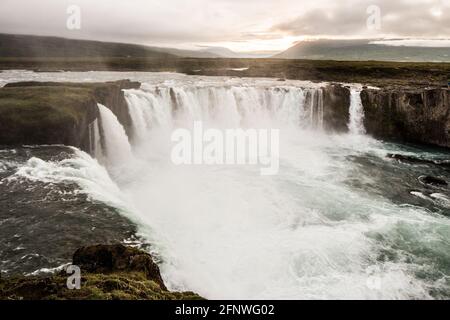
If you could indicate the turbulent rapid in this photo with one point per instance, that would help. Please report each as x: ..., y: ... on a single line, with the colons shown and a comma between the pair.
x: 340, y: 220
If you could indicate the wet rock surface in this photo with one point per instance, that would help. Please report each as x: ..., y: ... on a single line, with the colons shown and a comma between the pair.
x: 417, y: 115
x: 117, y: 258
x: 336, y: 100
x: 445, y: 163
x: 433, y: 181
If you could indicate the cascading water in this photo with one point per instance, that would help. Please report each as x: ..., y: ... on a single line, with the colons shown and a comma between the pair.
x: 356, y: 110
x: 226, y: 232
x: 95, y: 145
x: 117, y: 146
x: 224, y: 106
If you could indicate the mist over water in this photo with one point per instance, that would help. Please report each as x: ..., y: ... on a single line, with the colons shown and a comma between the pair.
x: 338, y: 221
x: 227, y: 232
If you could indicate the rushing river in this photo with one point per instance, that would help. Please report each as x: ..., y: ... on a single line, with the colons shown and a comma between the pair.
x: 339, y: 220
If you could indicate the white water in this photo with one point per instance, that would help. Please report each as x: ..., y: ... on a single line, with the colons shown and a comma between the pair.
x: 356, y: 124
x: 118, y: 148
x: 93, y: 178
x: 225, y: 107
x: 226, y: 232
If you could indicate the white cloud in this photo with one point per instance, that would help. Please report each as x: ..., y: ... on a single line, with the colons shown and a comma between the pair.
x: 239, y: 24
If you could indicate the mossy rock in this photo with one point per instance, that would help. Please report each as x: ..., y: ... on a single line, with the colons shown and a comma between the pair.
x: 44, y: 115
x: 34, y: 113
x: 113, y: 286
x: 109, y: 272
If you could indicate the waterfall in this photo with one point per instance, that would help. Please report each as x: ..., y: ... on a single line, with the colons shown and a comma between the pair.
x: 178, y: 207
x: 320, y: 108
x: 117, y: 146
x: 147, y: 110
x: 356, y: 124
x: 225, y: 106
x: 315, y: 108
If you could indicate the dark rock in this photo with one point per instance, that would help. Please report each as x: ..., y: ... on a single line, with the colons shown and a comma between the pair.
x: 429, y: 180
x: 58, y: 113
x: 107, y: 273
x: 408, y: 115
x: 336, y: 102
x: 46, y: 115
x: 415, y: 160
x: 117, y: 258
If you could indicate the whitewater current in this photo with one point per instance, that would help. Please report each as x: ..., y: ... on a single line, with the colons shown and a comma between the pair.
x: 339, y: 220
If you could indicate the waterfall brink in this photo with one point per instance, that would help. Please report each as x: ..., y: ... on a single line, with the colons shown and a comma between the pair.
x: 356, y: 124
x: 319, y: 123
x: 227, y: 106
x: 315, y: 108
x: 116, y: 144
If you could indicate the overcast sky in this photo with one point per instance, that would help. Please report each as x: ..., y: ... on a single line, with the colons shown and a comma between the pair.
x: 241, y: 25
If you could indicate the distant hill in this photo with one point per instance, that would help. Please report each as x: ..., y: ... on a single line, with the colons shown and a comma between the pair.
x: 227, y: 53
x: 25, y: 46
x: 363, y: 50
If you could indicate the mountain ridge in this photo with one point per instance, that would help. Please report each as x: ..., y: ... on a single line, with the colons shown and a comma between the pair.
x: 27, y: 46
x: 363, y: 50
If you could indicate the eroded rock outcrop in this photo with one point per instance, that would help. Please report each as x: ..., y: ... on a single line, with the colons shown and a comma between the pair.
x: 408, y: 115
x: 117, y: 258
x: 58, y: 113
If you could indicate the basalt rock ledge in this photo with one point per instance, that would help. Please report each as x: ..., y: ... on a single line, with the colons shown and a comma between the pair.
x: 414, y: 115
x: 36, y: 113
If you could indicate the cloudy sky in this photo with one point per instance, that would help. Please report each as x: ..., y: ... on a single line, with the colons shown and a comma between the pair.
x: 241, y: 25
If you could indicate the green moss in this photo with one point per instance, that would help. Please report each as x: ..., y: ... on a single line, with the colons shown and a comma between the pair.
x: 114, y: 286
x: 39, y: 104
x: 44, y: 115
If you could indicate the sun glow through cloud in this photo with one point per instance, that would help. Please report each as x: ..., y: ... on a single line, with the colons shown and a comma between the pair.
x: 242, y: 26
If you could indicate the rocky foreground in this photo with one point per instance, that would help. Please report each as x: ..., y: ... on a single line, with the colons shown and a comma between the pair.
x: 108, y: 272
x: 46, y: 113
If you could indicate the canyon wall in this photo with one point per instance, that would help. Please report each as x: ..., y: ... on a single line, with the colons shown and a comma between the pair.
x: 416, y: 115
x: 62, y: 113
x: 33, y: 113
